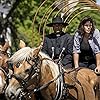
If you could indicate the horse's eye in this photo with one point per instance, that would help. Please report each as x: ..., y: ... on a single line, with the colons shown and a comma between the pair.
x: 33, y: 60
x: 27, y: 70
x: 18, y: 64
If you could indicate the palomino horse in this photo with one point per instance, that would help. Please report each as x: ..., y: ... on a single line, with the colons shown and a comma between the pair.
x: 36, y: 72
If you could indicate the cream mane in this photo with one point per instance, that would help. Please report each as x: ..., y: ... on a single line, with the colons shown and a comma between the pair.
x: 26, y: 53
x: 20, y: 55
x: 53, y: 66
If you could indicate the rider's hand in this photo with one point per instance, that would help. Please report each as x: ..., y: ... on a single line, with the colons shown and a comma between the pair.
x: 97, y: 70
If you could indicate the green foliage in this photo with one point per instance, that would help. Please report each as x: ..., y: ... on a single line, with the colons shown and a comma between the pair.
x: 24, y: 14
x: 75, y: 22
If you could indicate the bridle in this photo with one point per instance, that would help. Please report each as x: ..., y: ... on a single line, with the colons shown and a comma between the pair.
x: 33, y: 73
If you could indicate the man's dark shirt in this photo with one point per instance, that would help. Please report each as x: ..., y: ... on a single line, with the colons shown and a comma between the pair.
x: 59, y: 41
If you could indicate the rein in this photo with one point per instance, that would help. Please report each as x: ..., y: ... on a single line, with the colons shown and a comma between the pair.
x: 34, y: 73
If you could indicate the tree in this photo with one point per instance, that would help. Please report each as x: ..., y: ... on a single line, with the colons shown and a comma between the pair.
x: 23, y: 18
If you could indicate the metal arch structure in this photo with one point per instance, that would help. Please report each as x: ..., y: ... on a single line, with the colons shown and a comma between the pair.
x: 70, y: 9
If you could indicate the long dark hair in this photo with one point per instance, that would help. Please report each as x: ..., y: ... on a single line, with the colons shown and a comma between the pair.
x: 83, y: 21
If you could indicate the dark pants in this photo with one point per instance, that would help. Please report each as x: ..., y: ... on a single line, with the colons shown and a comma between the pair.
x: 87, y: 65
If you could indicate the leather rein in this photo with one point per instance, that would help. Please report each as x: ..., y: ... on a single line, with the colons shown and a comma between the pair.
x: 34, y: 73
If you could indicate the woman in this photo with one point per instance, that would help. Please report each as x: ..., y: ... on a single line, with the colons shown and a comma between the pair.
x: 86, y: 48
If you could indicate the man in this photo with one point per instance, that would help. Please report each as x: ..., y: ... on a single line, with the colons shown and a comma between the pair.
x: 58, y: 45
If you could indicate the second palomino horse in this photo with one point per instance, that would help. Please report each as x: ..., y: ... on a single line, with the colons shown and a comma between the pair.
x: 3, y: 71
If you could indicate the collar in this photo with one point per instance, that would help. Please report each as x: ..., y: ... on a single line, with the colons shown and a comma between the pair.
x: 58, y: 35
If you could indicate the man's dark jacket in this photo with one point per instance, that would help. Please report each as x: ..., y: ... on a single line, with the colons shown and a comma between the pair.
x: 59, y: 41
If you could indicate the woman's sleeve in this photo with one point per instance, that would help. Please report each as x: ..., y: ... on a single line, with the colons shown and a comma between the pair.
x: 96, y: 40
x: 76, y: 44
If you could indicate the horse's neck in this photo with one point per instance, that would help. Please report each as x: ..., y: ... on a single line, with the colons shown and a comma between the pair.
x: 46, y: 77
x: 46, y: 73
x: 50, y: 67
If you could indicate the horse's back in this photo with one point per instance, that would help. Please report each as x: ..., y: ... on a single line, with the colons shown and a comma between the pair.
x: 85, y: 80
x: 88, y: 75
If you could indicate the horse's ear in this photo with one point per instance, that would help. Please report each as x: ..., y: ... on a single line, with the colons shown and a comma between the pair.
x: 6, y: 46
x: 38, y: 49
x: 22, y: 44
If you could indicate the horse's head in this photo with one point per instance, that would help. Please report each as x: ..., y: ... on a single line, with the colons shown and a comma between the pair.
x: 30, y: 66
x: 25, y: 62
